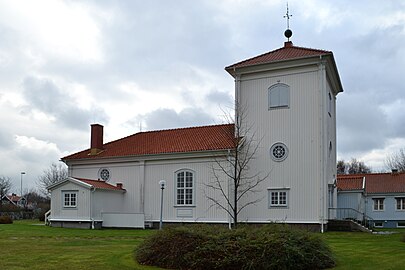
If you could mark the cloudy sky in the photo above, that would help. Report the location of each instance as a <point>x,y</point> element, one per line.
<point>160,64</point>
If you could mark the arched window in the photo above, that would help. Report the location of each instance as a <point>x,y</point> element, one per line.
<point>279,96</point>
<point>184,187</point>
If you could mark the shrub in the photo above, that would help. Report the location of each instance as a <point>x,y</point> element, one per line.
<point>211,247</point>
<point>5,220</point>
<point>403,237</point>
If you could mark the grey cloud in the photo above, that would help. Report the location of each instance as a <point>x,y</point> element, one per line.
<point>47,97</point>
<point>218,97</point>
<point>361,124</point>
<point>168,118</point>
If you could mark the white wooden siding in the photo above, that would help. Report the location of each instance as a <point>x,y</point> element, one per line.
<point>82,211</point>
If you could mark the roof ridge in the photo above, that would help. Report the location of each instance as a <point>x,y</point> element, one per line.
<point>170,129</point>
<point>365,174</point>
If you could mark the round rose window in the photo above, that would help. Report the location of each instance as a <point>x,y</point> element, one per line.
<point>278,152</point>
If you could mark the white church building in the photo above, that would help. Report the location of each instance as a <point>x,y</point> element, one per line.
<point>289,95</point>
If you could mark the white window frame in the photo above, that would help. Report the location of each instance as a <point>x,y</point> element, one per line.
<point>274,96</point>
<point>379,202</point>
<point>278,197</point>
<point>379,226</point>
<point>69,203</point>
<point>401,226</point>
<point>182,190</point>
<point>400,201</point>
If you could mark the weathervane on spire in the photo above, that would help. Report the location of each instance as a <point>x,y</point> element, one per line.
<point>288,32</point>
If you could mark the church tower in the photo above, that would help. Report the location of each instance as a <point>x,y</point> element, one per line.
<point>288,96</point>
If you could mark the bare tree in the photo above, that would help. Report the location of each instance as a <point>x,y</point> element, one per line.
<point>396,161</point>
<point>55,173</point>
<point>233,180</point>
<point>354,166</point>
<point>5,186</point>
<point>341,167</point>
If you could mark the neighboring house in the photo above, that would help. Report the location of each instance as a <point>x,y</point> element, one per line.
<point>379,196</point>
<point>289,97</point>
<point>13,199</point>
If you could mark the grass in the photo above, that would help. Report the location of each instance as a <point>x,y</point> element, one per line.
<point>27,246</point>
<point>356,250</point>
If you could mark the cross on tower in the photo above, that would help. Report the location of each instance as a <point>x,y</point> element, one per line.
<point>288,32</point>
<point>288,15</point>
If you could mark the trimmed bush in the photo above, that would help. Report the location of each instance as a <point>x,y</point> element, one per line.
<point>5,220</point>
<point>211,247</point>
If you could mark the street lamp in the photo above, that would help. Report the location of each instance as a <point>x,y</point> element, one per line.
<point>21,182</point>
<point>162,184</point>
<point>21,186</point>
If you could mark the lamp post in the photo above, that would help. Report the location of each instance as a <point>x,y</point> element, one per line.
<point>162,184</point>
<point>21,183</point>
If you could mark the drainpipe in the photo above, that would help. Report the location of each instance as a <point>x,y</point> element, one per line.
<point>228,158</point>
<point>91,207</point>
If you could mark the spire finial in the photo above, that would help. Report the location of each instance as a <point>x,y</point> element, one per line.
<point>288,32</point>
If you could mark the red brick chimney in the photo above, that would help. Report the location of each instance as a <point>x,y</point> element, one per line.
<point>119,185</point>
<point>96,140</point>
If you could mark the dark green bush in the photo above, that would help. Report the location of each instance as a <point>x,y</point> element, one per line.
<point>211,247</point>
<point>5,220</point>
<point>403,237</point>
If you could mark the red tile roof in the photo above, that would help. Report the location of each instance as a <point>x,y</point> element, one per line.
<point>288,52</point>
<point>13,198</point>
<point>374,183</point>
<point>100,184</point>
<point>385,183</point>
<point>193,139</point>
<point>349,182</point>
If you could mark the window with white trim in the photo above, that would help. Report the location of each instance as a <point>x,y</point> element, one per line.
<point>378,204</point>
<point>401,224</point>
<point>378,224</point>
<point>69,199</point>
<point>400,203</point>
<point>279,96</point>
<point>278,198</point>
<point>330,104</point>
<point>184,187</point>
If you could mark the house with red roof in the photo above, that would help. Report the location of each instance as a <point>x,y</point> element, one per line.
<point>13,199</point>
<point>288,95</point>
<point>378,196</point>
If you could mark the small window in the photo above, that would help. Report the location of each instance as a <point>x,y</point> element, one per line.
<point>330,105</point>
<point>378,224</point>
<point>69,199</point>
<point>104,174</point>
<point>278,151</point>
<point>278,198</point>
<point>400,203</point>
<point>378,204</point>
<point>279,96</point>
<point>184,187</point>
<point>401,224</point>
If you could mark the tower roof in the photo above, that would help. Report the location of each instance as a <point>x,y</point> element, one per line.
<point>288,52</point>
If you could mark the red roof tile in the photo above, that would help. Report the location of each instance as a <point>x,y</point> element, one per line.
<point>193,139</point>
<point>100,184</point>
<point>374,183</point>
<point>288,52</point>
<point>385,183</point>
<point>13,198</point>
<point>349,182</point>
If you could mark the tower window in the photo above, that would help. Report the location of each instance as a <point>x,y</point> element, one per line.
<point>278,152</point>
<point>279,96</point>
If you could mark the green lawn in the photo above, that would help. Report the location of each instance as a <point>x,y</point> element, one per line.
<point>356,250</point>
<point>27,246</point>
